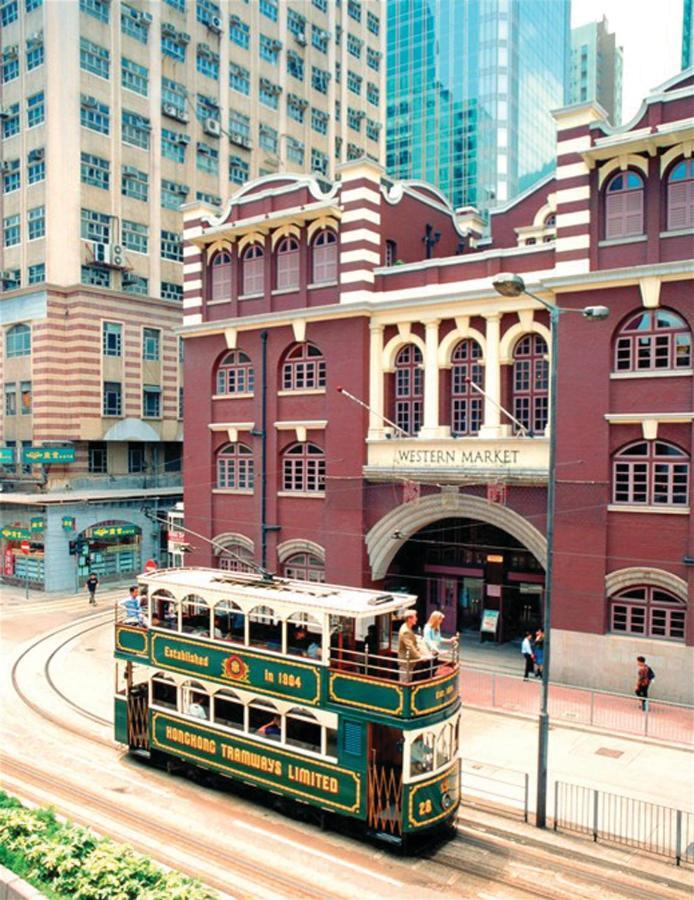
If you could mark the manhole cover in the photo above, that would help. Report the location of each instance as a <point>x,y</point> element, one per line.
<point>89,649</point>
<point>605,751</point>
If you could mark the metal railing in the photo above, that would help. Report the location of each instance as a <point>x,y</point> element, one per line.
<point>504,789</point>
<point>617,819</point>
<point>392,668</point>
<point>620,713</point>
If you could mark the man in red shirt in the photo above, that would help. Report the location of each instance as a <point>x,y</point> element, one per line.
<point>643,681</point>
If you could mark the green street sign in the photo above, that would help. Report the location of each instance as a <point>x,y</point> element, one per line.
<point>38,523</point>
<point>11,533</point>
<point>7,456</point>
<point>47,455</point>
<point>106,531</point>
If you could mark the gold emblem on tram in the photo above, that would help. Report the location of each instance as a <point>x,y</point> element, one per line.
<point>235,669</point>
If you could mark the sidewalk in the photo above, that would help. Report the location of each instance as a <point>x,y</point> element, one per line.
<point>14,594</point>
<point>490,679</point>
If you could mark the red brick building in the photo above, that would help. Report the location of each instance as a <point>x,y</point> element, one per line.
<point>302,288</point>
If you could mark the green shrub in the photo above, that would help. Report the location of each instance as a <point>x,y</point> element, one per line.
<point>66,860</point>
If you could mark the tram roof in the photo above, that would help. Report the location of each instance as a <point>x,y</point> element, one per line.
<point>333,598</point>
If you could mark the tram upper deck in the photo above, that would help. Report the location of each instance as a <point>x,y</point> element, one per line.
<point>321,644</point>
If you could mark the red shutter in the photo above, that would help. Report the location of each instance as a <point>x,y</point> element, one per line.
<point>614,216</point>
<point>633,212</point>
<point>677,195</point>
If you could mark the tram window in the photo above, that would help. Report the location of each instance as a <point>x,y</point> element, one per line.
<point>303,730</point>
<point>265,630</point>
<point>195,616</point>
<point>422,753</point>
<point>444,746</point>
<point>197,702</point>
<point>164,610</point>
<point>304,636</point>
<point>164,692</point>
<point>230,621</point>
<point>264,719</point>
<point>228,710</point>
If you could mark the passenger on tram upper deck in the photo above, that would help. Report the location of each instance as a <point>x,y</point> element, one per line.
<point>408,646</point>
<point>133,608</point>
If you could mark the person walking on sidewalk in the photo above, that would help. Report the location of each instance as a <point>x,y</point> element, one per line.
<point>539,652</point>
<point>644,676</point>
<point>527,651</point>
<point>92,583</point>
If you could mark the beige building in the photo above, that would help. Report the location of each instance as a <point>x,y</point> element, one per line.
<point>112,116</point>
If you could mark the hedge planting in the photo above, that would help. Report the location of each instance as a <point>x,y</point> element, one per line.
<point>63,860</point>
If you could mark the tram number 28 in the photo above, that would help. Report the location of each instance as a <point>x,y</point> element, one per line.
<point>425,808</point>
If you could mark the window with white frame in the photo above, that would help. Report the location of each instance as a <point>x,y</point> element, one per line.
<point>647,611</point>
<point>680,195</point>
<point>135,236</point>
<point>624,206</point>
<point>303,469</point>
<point>466,402</point>
<point>151,341</point>
<point>531,383</point>
<point>112,339</point>
<point>235,467</point>
<point>220,281</point>
<point>287,263</point>
<point>303,368</point>
<point>651,473</point>
<point>324,253</point>
<point>653,340</point>
<point>409,389</point>
<point>94,59</point>
<point>235,374</point>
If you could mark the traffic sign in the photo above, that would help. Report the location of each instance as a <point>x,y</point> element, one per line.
<point>150,566</point>
<point>25,547</point>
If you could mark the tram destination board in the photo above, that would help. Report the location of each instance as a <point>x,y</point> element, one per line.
<point>241,667</point>
<point>328,785</point>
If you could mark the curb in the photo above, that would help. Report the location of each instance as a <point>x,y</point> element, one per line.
<point>12,886</point>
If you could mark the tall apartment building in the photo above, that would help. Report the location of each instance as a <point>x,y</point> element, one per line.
<point>470,89</point>
<point>596,68</point>
<point>687,33</point>
<point>114,115</point>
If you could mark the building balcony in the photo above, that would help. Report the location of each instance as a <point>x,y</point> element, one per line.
<point>514,460</point>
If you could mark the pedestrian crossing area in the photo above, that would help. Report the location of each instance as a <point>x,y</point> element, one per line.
<point>13,598</point>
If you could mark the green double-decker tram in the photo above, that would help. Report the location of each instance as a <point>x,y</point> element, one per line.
<point>296,688</point>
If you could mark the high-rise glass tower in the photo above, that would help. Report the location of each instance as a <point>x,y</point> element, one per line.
<point>470,86</point>
<point>687,33</point>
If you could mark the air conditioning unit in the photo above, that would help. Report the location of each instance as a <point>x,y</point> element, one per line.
<point>5,165</point>
<point>168,29</point>
<point>35,40</point>
<point>184,139</point>
<point>183,189</point>
<point>245,142</point>
<point>215,24</point>
<point>117,256</point>
<point>101,253</point>
<point>37,155</point>
<point>131,171</point>
<point>174,112</point>
<point>300,39</point>
<point>7,275</point>
<point>90,102</point>
<point>212,126</point>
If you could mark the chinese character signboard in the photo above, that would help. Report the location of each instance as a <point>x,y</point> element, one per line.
<point>68,523</point>
<point>38,523</point>
<point>47,455</point>
<point>6,456</point>
<point>110,531</point>
<point>14,533</point>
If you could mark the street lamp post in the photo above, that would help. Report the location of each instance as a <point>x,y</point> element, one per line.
<point>514,286</point>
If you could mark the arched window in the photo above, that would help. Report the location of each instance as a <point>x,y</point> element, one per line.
<point>264,628</point>
<point>648,612</point>
<point>466,402</point>
<point>303,368</point>
<point>235,374</point>
<point>325,257</point>
<point>164,610</point>
<point>220,282</point>
<point>253,270</point>
<point>409,389</point>
<point>651,473</point>
<point>264,718</point>
<point>196,700</point>
<point>651,340</point>
<point>304,567</point>
<point>624,205</point>
<point>304,635</point>
<point>303,729</point>
<point>287,262</point>
<point>195,616</point>
<point>530,382</point>
<point>18,341</point>
<point>303,469</point>
<point>228,710</point>
<point>235,558</point>
<point>164,691</point>
<point>680,196</point>
<point>235,467</point>
<point>230,619</point>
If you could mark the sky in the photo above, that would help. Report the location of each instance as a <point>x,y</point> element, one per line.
<point>651,35</point>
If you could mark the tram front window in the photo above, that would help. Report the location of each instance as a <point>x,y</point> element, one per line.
<point>265,630</point>
<point>422,754</point>
<point>228,710</point>
<point>444,745</point>
<point>164,692</point>
<point>195,617</point>
<point>230,622</point>
<point>303,730</point>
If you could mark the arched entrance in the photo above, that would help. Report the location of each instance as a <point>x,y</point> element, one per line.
<point>112,549</point>
<point>465,556</point>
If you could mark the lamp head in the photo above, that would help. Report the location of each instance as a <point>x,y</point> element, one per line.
<point>595,312</point>
<point>508,285</point>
